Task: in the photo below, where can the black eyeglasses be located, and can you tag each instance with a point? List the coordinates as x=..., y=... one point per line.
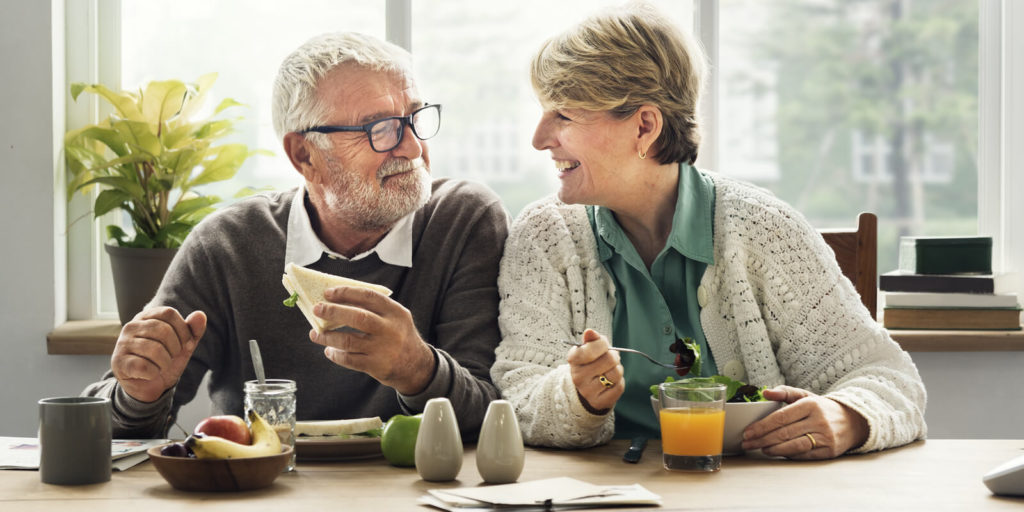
x=386, y=134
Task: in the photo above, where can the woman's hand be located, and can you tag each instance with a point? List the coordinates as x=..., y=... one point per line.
x=788, y=432
x=596, y=372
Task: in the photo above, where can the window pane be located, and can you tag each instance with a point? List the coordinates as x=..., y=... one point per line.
x=244, y=42
x=841, y=107
x=474, y=58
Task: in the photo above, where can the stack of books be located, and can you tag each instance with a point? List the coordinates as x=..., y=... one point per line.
x=948, y=283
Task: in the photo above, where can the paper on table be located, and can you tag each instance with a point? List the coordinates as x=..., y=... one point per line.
x=23, y=452
x=556, y=491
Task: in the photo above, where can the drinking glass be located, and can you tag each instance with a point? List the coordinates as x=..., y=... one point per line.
x=274, y=401
x=692, y=424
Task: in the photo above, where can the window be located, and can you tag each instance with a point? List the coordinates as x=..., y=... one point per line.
x=803, y=99
x=840, y=107
x=475, y=57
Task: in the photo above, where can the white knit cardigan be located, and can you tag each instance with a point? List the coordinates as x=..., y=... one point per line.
x=776, y=309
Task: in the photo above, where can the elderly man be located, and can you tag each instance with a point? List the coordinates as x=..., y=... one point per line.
x=353, y=125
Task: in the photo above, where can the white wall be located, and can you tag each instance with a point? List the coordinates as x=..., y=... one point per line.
x=970, y=394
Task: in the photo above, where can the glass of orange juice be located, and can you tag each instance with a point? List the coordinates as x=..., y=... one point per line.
x=692, y=424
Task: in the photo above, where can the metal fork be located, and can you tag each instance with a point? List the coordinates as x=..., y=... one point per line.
x=632, y=351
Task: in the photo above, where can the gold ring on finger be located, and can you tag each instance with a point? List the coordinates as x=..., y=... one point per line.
x=814, y=444
x=605, y=381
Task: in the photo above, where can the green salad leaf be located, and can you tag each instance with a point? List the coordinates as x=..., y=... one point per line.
x=291, y=301
x=735, y=391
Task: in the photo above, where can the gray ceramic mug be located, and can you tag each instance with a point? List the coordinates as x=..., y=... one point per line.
x=74, y=440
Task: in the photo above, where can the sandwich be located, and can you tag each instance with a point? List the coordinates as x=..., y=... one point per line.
x=363, y=427
x=307, y=288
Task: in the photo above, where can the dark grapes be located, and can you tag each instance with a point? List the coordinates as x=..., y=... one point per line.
x=176, y=450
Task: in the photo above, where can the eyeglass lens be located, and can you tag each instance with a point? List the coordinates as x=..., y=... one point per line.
x=386, y=134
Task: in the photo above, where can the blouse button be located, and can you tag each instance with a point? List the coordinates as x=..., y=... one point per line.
x=667, y=329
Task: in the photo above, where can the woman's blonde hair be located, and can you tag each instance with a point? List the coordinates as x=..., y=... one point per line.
x=622, y=59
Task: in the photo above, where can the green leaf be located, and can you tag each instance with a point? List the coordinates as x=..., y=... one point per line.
x=215, y=129
x=229, y=158
x=140, y=135
x=117, y=182
x=142, y=240
x=250, y=191
x=179, y=163
x=173, y=234
x=191, y=205
x=125, y=103
x=654, y=387
x=115, y=232
x=195, y=101
x=291, y=301
x=101, y=133
x=183, y=135
x=730, y=385
x=76, y=89
x=693, y=346
x=83, y=163
x=162, y=101
x=227, y=103
x=109, y=200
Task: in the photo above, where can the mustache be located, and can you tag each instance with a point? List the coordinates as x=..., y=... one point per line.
x=399, y=166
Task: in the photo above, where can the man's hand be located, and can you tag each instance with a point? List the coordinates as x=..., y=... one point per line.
x=387, y=348
x=596, y=372
x=153, y=349
x=834, y=427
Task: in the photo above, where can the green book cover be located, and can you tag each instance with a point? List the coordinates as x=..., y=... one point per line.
x=946, y=254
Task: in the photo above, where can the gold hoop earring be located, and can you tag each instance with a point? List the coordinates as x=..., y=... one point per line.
x=641, y=154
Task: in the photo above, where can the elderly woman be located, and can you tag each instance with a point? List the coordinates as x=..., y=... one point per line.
x=642, y=249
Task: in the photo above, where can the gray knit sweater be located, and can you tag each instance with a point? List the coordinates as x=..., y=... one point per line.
x=230, y=267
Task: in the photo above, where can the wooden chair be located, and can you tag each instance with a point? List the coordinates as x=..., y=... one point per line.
x=857, y=253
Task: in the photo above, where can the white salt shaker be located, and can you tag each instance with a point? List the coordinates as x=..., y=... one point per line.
x=499, y=451
x=438, y=443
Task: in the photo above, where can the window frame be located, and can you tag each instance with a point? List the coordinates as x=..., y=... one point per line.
x=92, y=45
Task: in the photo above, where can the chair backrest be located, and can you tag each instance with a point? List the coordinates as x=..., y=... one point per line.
x=857, y=253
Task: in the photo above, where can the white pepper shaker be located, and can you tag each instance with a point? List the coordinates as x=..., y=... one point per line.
x=499, y=451
x=438, y=443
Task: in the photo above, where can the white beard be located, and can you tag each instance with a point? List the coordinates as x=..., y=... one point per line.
x=374, y=206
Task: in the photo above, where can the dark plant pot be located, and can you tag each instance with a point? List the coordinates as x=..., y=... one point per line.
x=137, y=275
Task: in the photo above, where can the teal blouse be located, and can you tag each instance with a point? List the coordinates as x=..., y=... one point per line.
x=655, y=307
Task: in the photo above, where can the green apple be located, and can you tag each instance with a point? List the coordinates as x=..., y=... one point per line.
x=398, y=440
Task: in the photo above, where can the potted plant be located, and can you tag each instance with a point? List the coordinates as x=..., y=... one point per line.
x=148, y=157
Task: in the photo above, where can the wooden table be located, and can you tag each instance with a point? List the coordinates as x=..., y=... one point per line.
x=928, y=475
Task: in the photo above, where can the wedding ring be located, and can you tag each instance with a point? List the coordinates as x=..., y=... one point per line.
x=604, y=381
x=813, y=443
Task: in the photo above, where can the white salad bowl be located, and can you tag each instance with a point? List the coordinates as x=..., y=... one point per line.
x=737, y=416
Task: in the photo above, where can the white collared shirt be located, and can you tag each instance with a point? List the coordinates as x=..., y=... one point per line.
x=303, y=247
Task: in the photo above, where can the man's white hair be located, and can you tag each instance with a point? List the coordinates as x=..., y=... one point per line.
x=296, y=106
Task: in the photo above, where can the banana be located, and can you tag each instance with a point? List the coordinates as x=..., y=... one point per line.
x=264, y=442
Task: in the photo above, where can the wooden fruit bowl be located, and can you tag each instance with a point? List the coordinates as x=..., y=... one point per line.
x=220, y=475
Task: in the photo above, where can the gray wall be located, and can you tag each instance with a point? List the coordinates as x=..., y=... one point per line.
x=970, y=394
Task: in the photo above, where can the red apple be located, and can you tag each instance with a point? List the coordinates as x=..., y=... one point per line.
x=227, y=426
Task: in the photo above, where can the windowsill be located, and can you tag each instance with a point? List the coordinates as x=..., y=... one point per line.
x=83, y=337
x=97, y=337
